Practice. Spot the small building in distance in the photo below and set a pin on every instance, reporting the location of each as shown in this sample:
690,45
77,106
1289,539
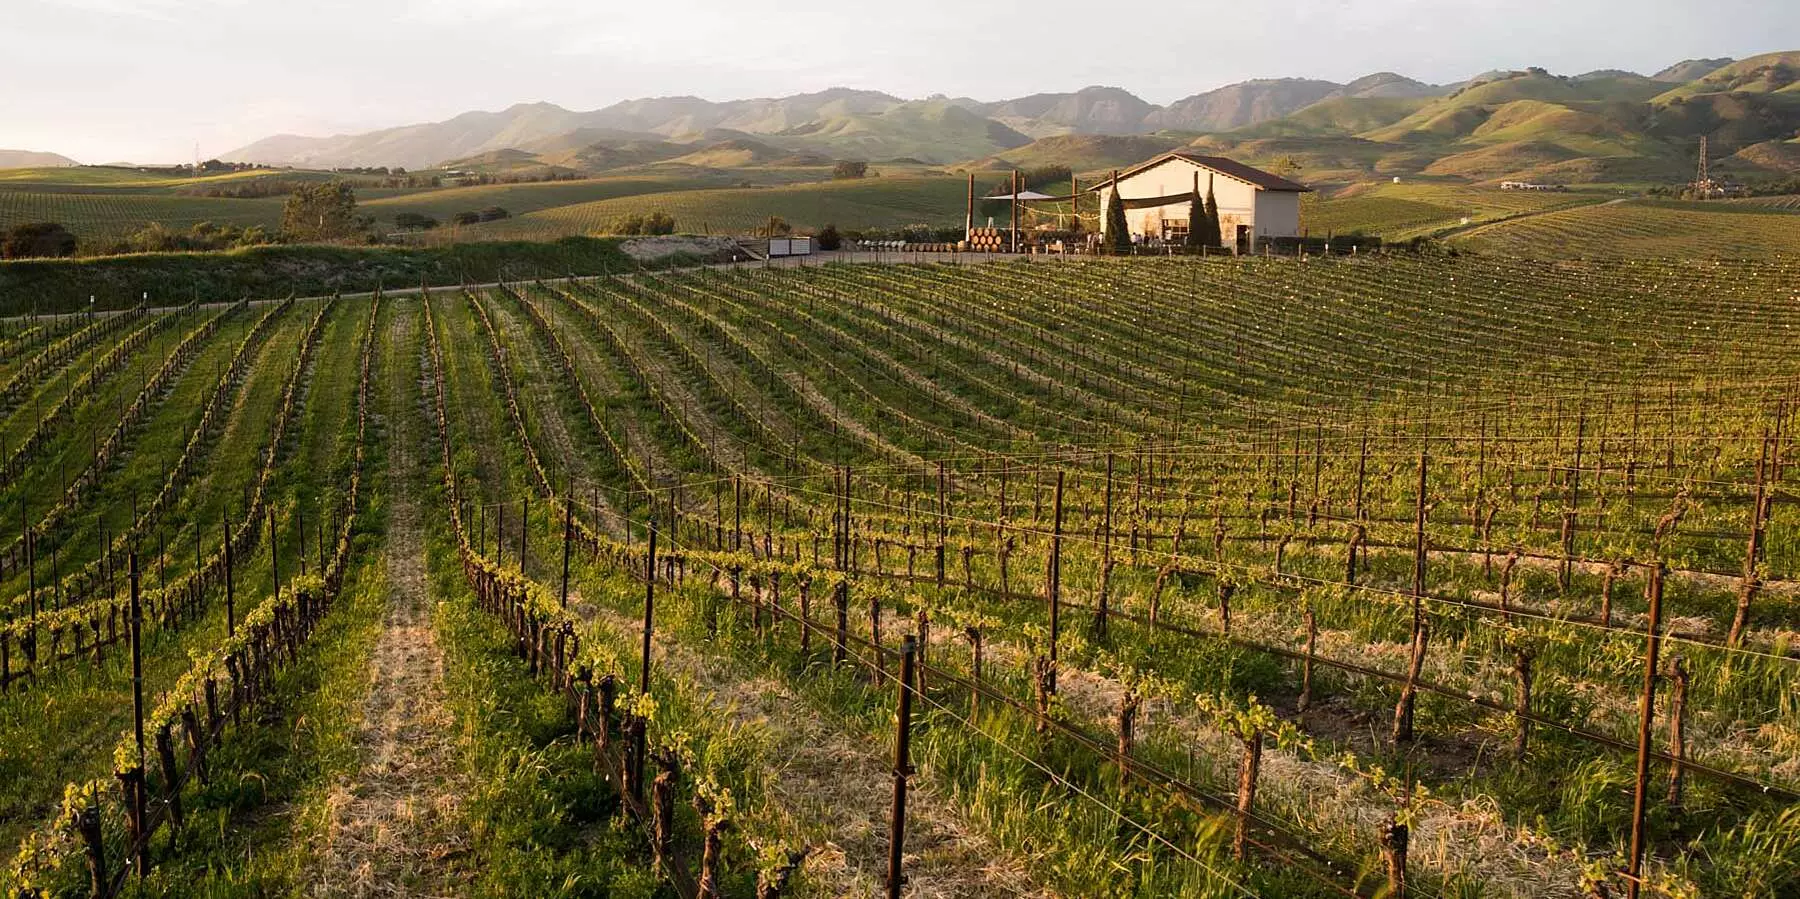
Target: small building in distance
1253,204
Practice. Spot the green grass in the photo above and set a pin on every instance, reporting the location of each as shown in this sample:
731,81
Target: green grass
256,829
887,202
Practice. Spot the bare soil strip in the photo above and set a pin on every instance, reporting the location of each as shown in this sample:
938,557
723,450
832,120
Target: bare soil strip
392,826
841,785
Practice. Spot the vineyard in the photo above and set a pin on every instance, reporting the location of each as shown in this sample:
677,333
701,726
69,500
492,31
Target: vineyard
1379,577
894,201
114,215
1396,212
1645,229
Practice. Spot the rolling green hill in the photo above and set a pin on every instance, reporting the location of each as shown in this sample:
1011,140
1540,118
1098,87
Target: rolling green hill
1088,154
727,166
1766,74
1603,127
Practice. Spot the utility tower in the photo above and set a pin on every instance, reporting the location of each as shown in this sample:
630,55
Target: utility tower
1704,187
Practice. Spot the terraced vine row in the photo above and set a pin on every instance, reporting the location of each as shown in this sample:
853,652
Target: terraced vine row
1610,500
1267,577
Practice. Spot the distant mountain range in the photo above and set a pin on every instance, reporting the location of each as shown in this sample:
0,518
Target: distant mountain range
1604,125
31,159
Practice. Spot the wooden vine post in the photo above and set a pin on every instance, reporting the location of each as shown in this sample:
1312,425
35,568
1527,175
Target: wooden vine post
1751,583
1522,675
1418,582
1421,632
1306,667
637,734
568,540
1106,563
1646,722
1248,770
134,779
1054,587
903,768
943,511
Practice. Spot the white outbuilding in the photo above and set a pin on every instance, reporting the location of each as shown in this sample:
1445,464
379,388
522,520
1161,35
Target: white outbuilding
1253,204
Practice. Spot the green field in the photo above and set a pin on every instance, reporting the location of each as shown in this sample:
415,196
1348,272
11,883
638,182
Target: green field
888,202
1641,229
1397,212
1224,570
520,199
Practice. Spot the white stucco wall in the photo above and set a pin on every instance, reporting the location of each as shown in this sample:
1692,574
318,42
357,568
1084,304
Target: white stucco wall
1277,213
1268,213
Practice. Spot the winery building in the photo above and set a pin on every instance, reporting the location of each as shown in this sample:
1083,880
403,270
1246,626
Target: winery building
1253,204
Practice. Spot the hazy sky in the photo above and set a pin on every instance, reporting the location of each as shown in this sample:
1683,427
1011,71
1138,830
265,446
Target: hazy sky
147,80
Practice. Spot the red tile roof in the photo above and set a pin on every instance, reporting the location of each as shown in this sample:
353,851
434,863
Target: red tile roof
1230,168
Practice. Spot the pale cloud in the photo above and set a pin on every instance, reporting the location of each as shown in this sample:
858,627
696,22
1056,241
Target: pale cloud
147,79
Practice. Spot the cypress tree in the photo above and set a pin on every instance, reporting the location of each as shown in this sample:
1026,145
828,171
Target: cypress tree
1118,233
1213,237
1197,222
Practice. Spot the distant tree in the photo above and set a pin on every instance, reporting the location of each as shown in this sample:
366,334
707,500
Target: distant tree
659,223
466,218
1213,236
1118,233
1046,176
850,169
413,221
37,239
322,211
774,227
829,238
1197,222
494,214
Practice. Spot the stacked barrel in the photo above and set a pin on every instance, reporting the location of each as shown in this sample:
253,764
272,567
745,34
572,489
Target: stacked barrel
988,240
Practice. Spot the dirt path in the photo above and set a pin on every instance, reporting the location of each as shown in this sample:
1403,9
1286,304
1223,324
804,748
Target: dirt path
1474,229
390,831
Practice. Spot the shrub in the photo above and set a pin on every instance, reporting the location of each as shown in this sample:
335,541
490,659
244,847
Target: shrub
850,170
1046,176
466,218
493,214
156,238
324,211
37,240
829,238
628,225
413,221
